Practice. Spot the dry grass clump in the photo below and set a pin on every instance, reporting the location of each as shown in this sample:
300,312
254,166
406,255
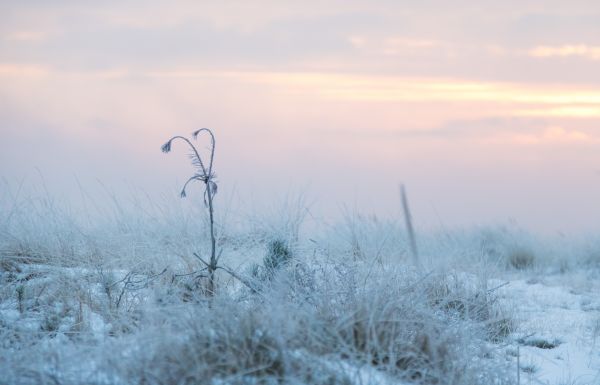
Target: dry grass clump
508,247
39,303
459,297
313,323
385,327
105,312
521,259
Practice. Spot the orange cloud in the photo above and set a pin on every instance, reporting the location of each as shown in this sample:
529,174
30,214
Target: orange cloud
573,111
522,99
512,99
500,99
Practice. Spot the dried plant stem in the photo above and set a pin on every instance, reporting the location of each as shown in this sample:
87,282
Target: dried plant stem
518,365
409,227
213,244
206,176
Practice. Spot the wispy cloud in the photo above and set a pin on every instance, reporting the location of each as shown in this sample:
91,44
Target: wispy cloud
513,98
554,134
514,131
577,50
395,45
15,70
495,42
26,36
498,98
574,111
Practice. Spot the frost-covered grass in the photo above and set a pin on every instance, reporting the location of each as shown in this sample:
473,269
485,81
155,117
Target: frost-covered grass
117,297
314,322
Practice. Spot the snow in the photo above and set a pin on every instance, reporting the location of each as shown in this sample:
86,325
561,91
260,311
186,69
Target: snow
76,319
550,311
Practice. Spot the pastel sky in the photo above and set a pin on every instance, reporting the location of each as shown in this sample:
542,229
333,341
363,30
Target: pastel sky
488,111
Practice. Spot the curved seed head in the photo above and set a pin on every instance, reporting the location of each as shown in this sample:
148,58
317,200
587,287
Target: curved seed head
166,147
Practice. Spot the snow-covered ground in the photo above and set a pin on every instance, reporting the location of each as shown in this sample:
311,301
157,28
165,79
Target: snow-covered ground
554,339
559,325
124,301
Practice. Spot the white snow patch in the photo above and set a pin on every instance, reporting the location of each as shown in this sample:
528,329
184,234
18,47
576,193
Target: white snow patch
555,332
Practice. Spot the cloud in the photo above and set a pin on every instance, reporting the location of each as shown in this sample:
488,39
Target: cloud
468,97
26,36
15,70
569,111
515,99
554,134
495,131
578,50
516,131
429,39
393,46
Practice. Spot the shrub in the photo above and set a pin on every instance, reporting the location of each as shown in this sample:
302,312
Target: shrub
278,255
521,259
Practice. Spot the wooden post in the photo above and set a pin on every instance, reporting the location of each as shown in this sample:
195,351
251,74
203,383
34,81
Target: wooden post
409,227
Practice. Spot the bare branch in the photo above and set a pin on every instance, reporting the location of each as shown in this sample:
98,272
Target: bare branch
195,177
220,253
238,277
201,260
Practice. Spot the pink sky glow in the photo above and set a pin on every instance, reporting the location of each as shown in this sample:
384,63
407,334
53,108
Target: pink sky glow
487,111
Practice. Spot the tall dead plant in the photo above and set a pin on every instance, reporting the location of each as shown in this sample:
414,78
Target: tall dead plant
205,175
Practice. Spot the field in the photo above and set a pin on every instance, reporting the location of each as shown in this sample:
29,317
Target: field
113,294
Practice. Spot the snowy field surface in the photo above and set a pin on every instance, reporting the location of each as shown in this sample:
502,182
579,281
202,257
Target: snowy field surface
123,300
559,318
